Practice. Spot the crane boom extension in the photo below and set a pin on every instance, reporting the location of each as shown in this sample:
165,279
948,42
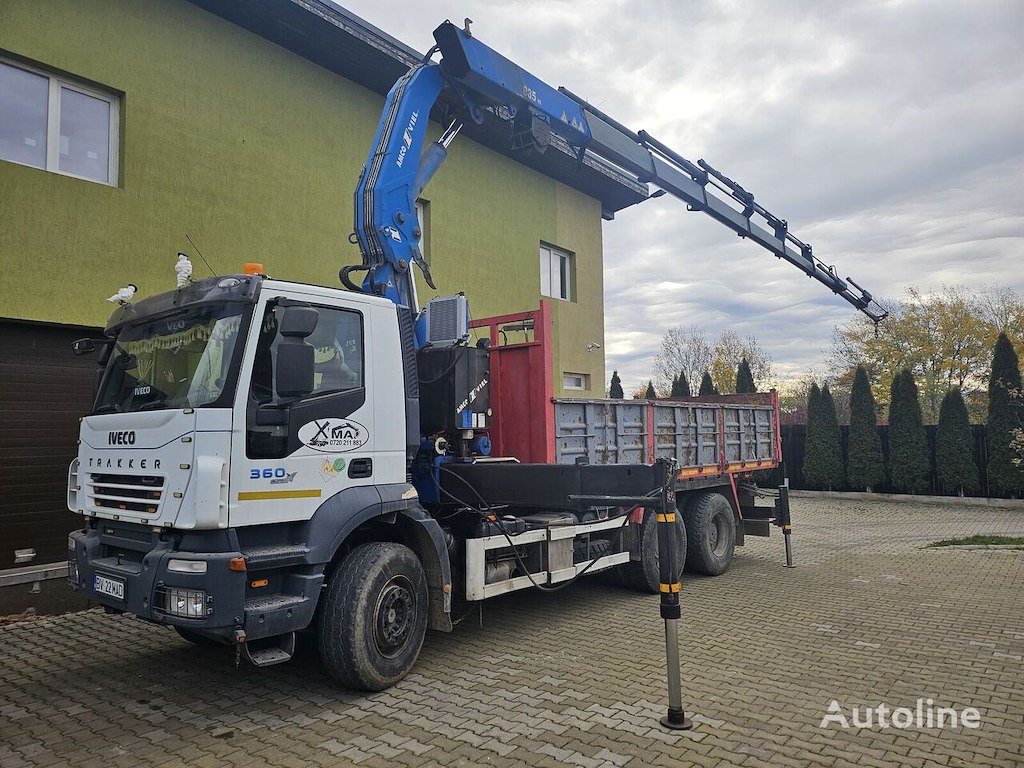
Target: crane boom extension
485,82
643,156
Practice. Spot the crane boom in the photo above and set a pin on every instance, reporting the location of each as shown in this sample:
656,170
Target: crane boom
486,83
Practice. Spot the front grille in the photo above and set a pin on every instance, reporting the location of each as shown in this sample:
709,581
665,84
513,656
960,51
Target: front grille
139,494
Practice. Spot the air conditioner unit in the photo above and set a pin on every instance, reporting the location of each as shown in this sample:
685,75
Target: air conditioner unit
447,320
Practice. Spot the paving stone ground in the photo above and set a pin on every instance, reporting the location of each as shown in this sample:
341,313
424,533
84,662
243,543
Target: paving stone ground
578,678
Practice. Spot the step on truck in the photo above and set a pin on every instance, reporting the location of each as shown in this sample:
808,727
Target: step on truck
266,457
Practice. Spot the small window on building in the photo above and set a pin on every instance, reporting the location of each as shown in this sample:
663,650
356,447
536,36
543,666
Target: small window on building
555,273
58,125
575,381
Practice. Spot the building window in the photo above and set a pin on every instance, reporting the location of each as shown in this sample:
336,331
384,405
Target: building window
58,125
575,381
555,273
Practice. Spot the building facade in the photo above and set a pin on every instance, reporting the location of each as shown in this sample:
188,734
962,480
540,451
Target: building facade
134,129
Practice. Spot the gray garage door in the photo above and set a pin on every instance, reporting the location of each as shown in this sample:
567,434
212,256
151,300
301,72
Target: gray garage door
44,389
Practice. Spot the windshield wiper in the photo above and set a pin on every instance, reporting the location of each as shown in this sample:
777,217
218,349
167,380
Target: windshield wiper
109,408
153,405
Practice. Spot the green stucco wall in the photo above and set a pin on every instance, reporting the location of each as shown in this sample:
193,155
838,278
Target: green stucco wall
254,152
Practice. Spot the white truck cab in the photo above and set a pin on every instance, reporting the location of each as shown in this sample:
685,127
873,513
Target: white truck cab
243,428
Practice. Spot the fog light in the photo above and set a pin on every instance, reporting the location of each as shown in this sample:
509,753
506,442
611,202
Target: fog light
187,566
187,603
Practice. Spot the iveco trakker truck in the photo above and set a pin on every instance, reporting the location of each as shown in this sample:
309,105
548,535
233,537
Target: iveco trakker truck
265,457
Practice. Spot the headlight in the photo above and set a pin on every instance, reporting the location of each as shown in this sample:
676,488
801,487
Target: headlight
186,603
71,542
73,573
187,566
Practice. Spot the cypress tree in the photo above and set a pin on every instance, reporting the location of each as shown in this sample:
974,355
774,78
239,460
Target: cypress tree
864,464
908,446
812,440
650,394
707,386
836,475
615,388
684,385
953,460
744,378
823,458
675,386
1004,415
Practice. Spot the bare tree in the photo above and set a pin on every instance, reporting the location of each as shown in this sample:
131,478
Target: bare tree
727,353
686,349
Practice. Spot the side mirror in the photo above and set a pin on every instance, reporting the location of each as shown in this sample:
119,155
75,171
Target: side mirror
295,359
83,347
298,322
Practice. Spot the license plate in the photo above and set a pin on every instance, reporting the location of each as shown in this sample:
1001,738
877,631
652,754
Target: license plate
105,585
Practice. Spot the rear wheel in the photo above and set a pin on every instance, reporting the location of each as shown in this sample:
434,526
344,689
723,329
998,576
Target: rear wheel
711,525
374,616
644,574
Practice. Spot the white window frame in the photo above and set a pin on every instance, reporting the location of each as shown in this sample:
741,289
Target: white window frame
582,385
56,82
548,256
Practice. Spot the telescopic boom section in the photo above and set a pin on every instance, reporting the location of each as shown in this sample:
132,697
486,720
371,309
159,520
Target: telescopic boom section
643,156
486,82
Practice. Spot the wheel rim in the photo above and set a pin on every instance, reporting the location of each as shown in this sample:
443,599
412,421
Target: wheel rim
394,617
718,535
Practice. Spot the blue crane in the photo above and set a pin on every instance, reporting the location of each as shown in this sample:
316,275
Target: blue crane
489,86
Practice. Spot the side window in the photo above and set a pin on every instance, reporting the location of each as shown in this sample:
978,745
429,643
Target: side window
337,353
337,345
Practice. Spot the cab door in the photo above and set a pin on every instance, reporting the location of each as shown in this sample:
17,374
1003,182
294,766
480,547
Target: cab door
298,452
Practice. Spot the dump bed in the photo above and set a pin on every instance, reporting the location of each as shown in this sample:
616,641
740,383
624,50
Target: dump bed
706,435
731,433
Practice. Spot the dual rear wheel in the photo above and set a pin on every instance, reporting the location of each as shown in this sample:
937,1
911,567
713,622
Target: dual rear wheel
705,540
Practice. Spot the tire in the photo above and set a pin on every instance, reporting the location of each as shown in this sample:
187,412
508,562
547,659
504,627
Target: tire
374,616
201,640
711,525
644,574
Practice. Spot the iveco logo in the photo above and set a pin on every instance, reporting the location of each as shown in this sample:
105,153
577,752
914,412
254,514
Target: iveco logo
121,438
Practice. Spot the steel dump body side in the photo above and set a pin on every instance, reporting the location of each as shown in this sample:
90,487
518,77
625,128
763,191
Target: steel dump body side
706,436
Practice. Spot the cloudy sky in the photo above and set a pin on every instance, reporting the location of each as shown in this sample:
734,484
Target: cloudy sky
889,134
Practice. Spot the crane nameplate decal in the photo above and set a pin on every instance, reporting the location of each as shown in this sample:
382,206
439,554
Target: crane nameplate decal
407,138
333,435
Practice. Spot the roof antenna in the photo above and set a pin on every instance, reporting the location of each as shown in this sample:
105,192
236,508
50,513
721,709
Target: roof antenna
200,254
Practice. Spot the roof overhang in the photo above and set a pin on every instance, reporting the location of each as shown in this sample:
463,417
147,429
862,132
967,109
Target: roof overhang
347,45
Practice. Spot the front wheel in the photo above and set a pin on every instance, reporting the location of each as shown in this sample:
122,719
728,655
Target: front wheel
374,616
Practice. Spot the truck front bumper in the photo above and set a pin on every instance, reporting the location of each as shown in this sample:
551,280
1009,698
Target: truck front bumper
138,570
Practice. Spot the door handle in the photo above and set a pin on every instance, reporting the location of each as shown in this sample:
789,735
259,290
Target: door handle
358,468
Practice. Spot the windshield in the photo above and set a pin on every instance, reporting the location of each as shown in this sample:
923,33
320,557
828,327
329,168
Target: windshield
179,360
